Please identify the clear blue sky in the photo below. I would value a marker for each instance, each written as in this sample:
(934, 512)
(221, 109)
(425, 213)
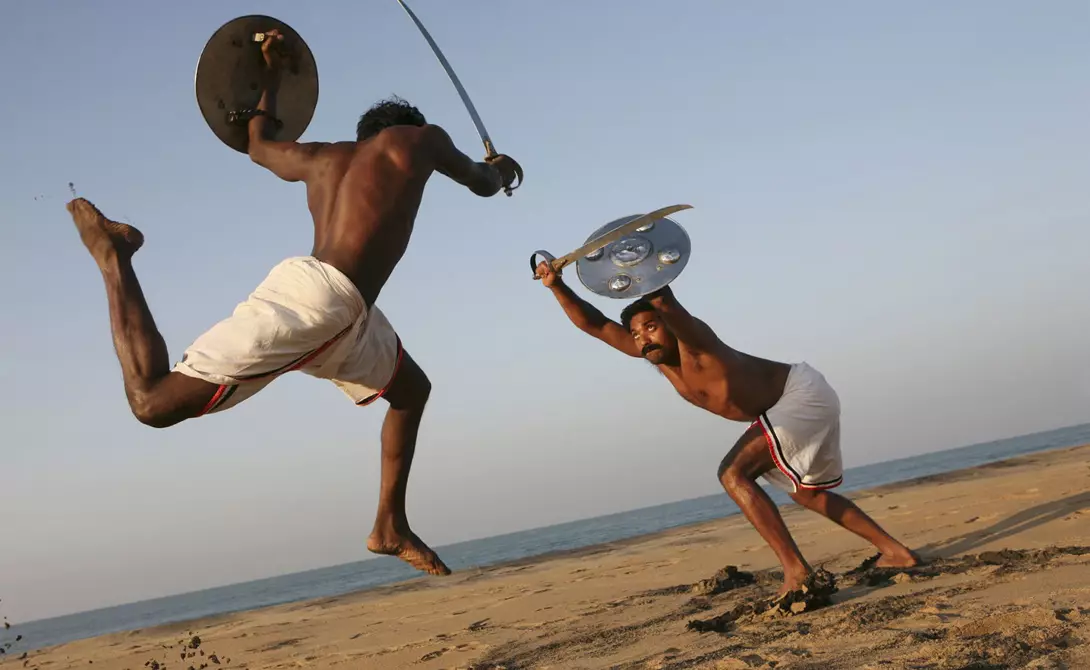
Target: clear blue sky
(896, 194)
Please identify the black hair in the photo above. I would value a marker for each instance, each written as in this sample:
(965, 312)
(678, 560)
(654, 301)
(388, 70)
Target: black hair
(386, 113)
(640, 305)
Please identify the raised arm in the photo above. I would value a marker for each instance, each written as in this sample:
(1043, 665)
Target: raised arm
(291, 161)
(585, 316)
(479, 177)
(689, 330)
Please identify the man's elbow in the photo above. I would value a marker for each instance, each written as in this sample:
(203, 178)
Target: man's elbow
(257, 150)
(485, 181)
(483, 190)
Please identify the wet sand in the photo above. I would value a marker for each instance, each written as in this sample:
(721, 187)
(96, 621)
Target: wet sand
(1008, 587)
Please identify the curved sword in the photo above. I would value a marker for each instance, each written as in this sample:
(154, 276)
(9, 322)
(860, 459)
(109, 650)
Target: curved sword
(454, 80)
(490, 150)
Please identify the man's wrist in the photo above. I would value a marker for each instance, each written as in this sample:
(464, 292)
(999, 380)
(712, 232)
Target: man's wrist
(497, 176)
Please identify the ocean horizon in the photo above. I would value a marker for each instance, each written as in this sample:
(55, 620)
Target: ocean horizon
(494, 550)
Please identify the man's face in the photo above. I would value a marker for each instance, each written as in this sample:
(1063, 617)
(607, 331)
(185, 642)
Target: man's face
(657, 344)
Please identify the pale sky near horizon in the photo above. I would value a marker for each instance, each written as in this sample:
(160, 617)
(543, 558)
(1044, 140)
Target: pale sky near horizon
(896, 194)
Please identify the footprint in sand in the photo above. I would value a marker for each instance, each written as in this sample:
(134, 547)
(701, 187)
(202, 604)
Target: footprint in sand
(467, 646)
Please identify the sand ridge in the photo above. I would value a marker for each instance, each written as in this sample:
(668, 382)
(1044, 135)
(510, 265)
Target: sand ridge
(1007, 585)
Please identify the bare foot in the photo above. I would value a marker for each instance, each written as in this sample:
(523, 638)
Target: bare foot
(101, 236)
(792, 582)
(409, 548)
(902, 557)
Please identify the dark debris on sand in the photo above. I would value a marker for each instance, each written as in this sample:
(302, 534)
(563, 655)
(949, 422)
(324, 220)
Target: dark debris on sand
(190, 649)
(727, 579)
(6, 646)
(816, 592)
(1007, 560)
(819, 588)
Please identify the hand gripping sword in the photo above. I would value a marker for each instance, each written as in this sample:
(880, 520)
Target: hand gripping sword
(490, 150)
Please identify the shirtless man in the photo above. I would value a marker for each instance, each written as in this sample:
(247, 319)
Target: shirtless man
(313, 313)
(793, 441)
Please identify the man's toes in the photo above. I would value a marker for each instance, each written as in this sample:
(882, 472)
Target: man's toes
(427, 561)
(424, 559)
(906, 559)
(438, 567)
(82, 206)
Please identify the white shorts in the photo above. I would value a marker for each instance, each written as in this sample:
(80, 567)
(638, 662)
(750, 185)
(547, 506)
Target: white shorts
(803, 433)
(307, 316)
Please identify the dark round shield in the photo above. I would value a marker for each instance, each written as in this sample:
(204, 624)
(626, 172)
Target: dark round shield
(639, 263)
(229, 76)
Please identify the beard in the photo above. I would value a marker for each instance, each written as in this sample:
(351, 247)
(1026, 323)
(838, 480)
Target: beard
(648, 348)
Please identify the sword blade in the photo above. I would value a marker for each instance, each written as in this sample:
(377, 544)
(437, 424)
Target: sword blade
(491, 150)
(616, 234)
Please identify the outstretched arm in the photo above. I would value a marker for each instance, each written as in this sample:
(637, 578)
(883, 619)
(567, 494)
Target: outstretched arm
(689, 330)
(291, 161)
(585, 316)
(479, 177)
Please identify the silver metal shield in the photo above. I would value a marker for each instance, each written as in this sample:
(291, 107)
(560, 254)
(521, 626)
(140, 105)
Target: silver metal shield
(228, 81)
(640, 263)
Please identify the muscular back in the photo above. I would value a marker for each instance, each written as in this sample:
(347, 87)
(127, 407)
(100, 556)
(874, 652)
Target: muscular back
(364, 196)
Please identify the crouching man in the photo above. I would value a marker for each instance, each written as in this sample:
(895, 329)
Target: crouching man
(793, 440)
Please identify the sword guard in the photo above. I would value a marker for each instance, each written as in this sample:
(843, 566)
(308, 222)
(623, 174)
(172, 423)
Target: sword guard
(507, 188)
(518, 173)
(549, 258)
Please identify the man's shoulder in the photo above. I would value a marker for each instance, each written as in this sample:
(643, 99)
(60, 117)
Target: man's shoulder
(398, 139)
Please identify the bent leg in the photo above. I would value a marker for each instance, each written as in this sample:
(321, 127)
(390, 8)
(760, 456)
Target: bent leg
(847, 514)
(407, 395)
(738, 473)
(157, 396)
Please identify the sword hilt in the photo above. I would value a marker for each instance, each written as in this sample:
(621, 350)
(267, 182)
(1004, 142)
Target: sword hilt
(518, 173)
(492, 155)
(550, 260)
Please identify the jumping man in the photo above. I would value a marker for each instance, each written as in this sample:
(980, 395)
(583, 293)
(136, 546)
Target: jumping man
(315, 313)
(793, 441)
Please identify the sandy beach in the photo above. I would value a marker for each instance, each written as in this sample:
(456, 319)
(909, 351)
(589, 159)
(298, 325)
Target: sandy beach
(1008, 587)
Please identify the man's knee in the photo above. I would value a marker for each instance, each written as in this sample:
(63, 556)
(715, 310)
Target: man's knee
(411, 388)
(732, 475)
(152, 414)
(724, 467)
(170, 400)
(422, 388)
(747, 460)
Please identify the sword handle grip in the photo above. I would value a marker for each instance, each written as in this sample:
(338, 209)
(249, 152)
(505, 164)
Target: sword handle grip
(549, 258)
(492, 155)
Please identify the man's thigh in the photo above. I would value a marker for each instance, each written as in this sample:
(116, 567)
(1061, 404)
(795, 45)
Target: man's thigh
(173, 399)
(750, 456)
(293, 319)
(373, 364)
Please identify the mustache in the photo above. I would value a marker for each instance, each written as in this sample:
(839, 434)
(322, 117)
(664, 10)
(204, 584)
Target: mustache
(648, 348)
